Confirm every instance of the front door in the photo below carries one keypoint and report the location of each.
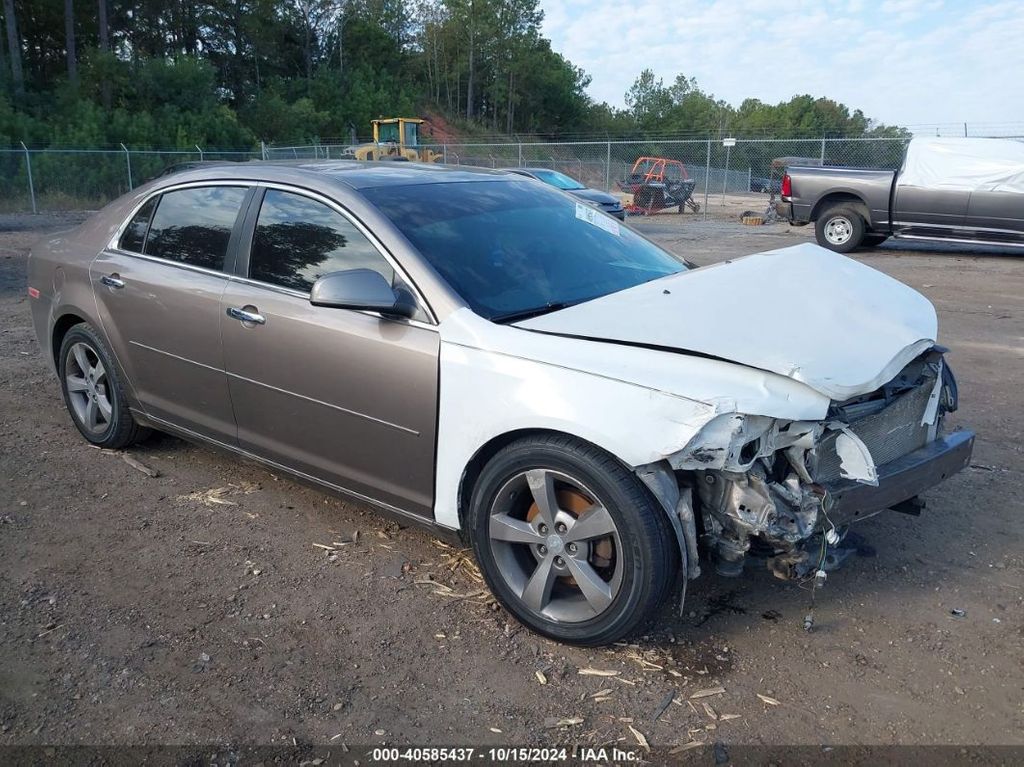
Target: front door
(348, 398)
(996, 216)
(159, 294)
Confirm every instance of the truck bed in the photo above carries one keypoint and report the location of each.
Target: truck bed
(865, 186)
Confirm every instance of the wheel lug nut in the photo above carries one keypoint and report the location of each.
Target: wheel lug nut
(542, 549)
(560, 527)
(559, 561)
(571, 548)
(543, 529)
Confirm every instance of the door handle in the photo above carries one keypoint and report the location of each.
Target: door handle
(112, 281)
(245, 316)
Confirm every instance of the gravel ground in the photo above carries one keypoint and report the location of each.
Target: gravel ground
(152, 610)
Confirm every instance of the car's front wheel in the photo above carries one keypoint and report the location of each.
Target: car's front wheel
(93, 391)
(570, 541)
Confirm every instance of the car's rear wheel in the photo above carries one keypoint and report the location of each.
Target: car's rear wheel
(840, 228)
(93, 390)
(570, 541)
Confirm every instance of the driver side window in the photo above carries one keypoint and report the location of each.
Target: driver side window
(298, 240)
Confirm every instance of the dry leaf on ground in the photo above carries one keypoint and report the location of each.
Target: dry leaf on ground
(708, 692)
(597, 672)
(639, 737)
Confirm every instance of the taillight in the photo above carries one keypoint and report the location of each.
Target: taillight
(33, 293)
(787, 185)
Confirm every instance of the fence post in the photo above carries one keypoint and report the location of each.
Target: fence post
(608, 168)
(128, 160)
(520, 154)
(31, 186)
(263, 150)
(750, 177)
(725, 177)
(822, 150)
(444, 153)
(200, 151)
(707, 180)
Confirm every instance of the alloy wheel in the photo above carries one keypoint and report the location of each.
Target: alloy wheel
(88, 389)
(556, 546)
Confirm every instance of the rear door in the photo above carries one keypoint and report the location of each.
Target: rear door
(158, 294)
(348, 398)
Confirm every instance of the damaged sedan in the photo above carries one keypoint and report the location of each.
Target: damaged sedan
(491, 358)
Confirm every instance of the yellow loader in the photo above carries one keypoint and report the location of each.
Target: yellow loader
(394, 138)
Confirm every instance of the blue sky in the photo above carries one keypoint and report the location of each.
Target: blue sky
(909, 62)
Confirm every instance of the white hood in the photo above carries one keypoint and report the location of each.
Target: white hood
(818, 317)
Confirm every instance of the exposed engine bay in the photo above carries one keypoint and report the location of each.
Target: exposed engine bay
(762, 486)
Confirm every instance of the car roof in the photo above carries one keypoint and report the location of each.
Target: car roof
(351, 173)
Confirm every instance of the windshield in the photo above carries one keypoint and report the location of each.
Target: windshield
(557, 179)
(513, 249)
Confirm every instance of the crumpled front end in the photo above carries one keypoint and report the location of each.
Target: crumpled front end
(766, 487)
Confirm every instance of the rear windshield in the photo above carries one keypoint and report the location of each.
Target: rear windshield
(514, 249)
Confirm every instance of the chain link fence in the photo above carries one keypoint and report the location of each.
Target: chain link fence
(37, 180)
(64, 179)
(744, 169)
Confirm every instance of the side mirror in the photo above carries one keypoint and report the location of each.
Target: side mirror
(362, 289)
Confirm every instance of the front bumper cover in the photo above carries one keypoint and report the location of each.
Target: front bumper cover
(901, 479)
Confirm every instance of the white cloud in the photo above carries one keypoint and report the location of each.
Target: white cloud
(909, 62)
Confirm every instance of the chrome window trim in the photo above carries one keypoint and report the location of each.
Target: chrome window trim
(167, 262)
(362, 229)
(113, 243)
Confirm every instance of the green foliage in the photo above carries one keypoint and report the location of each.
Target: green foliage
(684, 108)
(230, 73)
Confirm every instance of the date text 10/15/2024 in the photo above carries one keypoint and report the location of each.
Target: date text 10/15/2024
(503, 754)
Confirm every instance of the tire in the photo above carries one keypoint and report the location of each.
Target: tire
(873, 240)
(643, 198)
(94, 392)
(626, 554)
(840, 228)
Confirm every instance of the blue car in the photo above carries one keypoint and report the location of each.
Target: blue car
(603, 201)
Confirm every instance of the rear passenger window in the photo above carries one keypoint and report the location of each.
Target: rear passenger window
(134, 236)
(193, 226)
(298, 240)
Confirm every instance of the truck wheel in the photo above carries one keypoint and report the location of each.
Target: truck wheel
(840, 229)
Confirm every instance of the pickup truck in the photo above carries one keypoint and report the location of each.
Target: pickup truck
(954, 189)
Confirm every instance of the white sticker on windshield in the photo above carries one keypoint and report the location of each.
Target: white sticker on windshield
(601, 221)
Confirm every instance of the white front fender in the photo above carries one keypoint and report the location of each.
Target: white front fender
(638, 404)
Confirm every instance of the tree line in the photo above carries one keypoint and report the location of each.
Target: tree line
(230, 73)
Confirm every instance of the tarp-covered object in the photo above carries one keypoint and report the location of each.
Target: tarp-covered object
(969, 164)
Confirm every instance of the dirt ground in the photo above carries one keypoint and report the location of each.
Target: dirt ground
(152, 610)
